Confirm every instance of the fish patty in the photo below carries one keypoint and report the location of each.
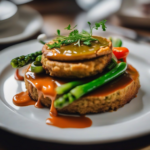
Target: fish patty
(79, 69)
(93, 104)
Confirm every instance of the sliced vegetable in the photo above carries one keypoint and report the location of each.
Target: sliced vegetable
(37, 63)
(36, 68)
(38, 58)
(81, 90)
(121, 53)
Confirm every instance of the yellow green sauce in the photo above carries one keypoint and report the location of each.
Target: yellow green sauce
(73, 52)
(72, 49)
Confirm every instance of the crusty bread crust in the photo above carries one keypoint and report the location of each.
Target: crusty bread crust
(76, 69)
(89, 104)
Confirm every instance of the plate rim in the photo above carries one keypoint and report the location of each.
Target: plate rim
(58, 140)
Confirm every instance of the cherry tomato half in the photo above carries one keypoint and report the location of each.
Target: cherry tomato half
(121, 52)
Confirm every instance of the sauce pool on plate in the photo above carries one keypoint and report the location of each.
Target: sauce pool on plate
(23, 99)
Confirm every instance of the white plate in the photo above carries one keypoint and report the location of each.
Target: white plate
(28, 24)
(130, 121)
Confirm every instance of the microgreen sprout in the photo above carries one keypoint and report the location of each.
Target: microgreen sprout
(69, 27)
(87, 42)
(58, 32)
(76, 37)
(97, 25)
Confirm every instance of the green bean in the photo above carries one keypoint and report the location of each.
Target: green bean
(68, 86)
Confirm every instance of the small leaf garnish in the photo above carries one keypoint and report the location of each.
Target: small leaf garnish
(74, 32)
(87, 42)
(66, 42)
(69, 27)
(97, 25)
(56, 45)
(58, 32)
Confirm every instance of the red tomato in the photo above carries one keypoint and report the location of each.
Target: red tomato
(121, 52)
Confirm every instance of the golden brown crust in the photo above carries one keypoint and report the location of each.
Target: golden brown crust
(103, 50)
(75, 69)
(89, 104)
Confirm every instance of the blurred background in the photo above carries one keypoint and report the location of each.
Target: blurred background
(22, 20)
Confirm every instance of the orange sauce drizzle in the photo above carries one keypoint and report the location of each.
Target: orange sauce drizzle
(38, 103)
(46, 87)
(132, 71)
(17, 76)
(69, 121)
(23, 99)
(44, 84)
(62, 121)
(53, 111)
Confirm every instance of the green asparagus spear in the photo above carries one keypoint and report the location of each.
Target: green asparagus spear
(81, 90)
(24, 60)
(68, 86)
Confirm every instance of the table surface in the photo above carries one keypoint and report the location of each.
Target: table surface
(55, 18)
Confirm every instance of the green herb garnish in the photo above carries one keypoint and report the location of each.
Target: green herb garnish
(97, 25)
(76, 37)
(58, 32)
(87, 42)
(69, 27)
